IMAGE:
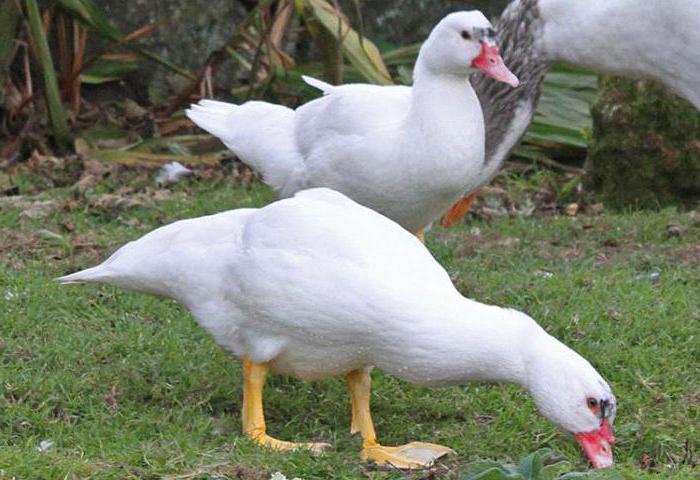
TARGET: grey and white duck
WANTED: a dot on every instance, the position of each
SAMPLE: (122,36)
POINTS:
(655,40)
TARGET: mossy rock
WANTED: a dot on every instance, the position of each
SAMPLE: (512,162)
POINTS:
(645,151)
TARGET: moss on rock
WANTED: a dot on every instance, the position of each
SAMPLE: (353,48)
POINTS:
(646,145)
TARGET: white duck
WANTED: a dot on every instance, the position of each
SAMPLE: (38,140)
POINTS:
(652,39)
(405,153)
(293,288)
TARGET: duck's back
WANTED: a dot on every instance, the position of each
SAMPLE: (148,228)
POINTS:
(347,137)
(325,284)
(347,110)
(330,234)
(309,278)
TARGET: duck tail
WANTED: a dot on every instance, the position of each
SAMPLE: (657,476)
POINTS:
(261,134)
(212,116)
(89,275)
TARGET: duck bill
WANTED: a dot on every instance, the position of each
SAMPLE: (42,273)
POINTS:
(490,62)
(597,445)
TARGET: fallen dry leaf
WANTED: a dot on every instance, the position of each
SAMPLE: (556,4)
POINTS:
(94,171)
(596,209)
(110,397)
(647,462)
(39,210)
(134,111)
(674,231)
(571,209)
(111,202)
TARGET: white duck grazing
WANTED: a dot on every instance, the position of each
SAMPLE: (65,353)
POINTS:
(657,40)
(293,288)
(408,156)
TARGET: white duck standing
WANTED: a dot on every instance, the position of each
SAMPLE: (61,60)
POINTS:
(652,39)
(406,153)
(293,288)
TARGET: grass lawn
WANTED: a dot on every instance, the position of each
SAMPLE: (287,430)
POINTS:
(127,386)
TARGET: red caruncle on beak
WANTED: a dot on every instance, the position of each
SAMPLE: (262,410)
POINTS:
(597,445)
(490,62)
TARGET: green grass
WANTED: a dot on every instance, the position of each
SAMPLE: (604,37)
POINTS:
(127,386)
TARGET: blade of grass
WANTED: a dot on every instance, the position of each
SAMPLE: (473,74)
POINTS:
(109,68)
(57,116)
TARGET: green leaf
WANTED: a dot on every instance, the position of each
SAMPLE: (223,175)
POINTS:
(496,473)
(488,470)
(89,14)
(543,464)
(563,115)
(108,69)
(362,53)
(531,466)
(57,116)
(402,56)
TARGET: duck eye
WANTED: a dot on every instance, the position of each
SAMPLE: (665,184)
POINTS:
(466,35)
(592,402)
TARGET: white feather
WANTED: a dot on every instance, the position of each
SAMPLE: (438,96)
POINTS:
(406,153)
(318,285)
(324,87)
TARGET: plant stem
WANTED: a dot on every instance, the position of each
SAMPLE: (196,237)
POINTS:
(59,125)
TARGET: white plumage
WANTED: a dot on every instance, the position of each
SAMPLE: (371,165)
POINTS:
(407,153)
(294,286)
(655,39)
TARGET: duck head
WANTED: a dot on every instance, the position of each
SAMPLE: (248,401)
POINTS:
(570,392)
(462,43)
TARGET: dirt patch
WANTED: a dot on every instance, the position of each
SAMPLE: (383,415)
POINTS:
(244,473)
(18,242)
(689,256)
(221,470)
(693,398)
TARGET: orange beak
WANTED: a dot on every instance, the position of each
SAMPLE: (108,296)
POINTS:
(598,445)
(490,62)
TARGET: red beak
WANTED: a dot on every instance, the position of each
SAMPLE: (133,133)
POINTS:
(598,445)
(490,62)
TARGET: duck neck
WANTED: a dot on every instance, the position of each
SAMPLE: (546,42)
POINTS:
(475,342)
(507,110)
(610,36)
(627,37)
(445,106)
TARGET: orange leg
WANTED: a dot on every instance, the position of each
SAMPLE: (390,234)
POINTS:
(457,212)
(252,414)
(411,455)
